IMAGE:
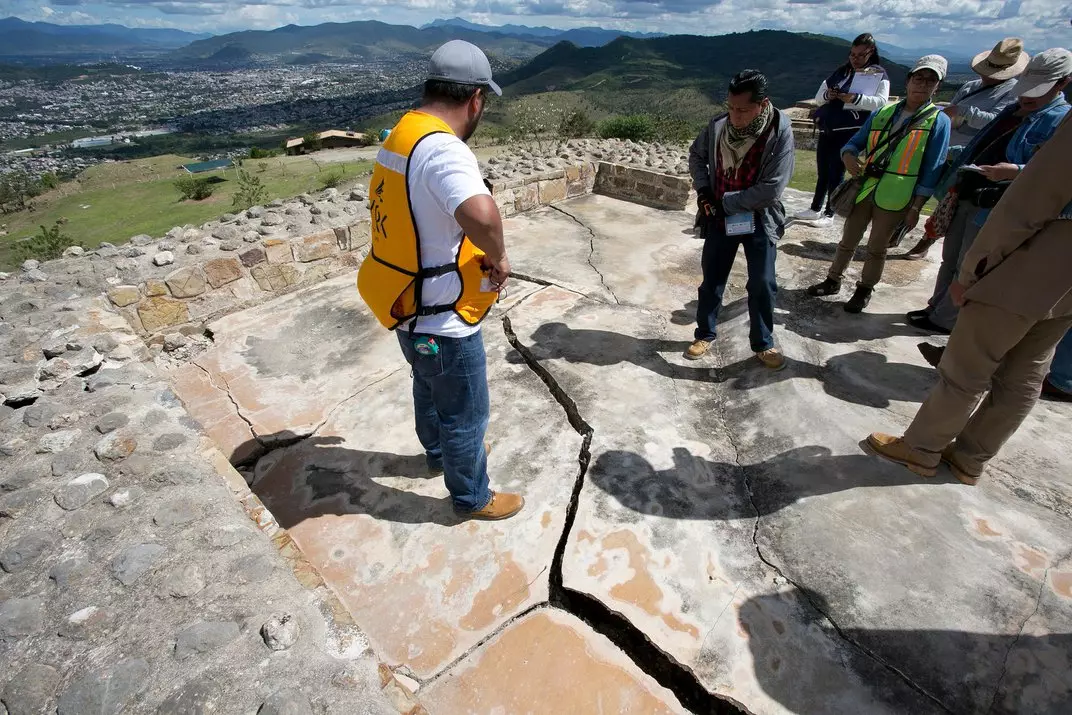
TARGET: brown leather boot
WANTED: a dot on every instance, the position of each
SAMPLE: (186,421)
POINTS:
(919,251)
(949,456)
(501,506)
(897,450)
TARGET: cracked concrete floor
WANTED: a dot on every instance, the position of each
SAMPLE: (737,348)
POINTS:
(699,535)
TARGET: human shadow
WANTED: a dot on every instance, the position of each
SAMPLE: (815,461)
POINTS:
(686,315)
(825,319)
(815,250)
(862,377)
(965,672)
(319,476)
(699,489)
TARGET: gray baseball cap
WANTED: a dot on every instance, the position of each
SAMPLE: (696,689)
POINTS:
(934,63)
(462,62)
(1045,69)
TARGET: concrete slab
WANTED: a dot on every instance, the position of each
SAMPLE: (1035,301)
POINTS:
(728,513)
(548,652)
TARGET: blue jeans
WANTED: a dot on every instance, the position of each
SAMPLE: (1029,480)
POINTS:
(451,407)
(1061,367)
(719,253)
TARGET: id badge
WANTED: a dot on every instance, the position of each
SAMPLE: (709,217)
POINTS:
(740,224)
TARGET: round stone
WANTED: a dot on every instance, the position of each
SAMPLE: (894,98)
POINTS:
(32,691)
(80,490)
(57,441)
(185,581)
(107,690)
(70,570)
(169,441)
(176,514)
(26,550)
(164,258)
(198,697)
(280,631)
(115,446)
(21,617)
(290,701)
(90,623)
(135,561)
(111,422)
(122,498)
(204,637)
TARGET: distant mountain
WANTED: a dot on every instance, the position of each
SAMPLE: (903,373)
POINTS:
(794,63)
(30,39)
(353,41)
(580,36)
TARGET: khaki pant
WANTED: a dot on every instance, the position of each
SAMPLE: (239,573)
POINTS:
(991,352)
(883,223)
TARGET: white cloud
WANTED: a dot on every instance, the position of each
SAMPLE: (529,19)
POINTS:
(959,25)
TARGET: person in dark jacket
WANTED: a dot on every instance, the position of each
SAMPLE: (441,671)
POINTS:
(740,165)
(846,99)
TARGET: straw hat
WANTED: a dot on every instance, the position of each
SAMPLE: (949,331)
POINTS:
(1005,61)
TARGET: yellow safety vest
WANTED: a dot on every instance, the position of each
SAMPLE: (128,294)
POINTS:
(391,278)
(898,183)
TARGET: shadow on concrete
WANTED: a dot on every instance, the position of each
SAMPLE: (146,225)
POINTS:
(962,670)
(699,489)
(817,250)
(863,378)
(319,476)
(825,319)
(686,315)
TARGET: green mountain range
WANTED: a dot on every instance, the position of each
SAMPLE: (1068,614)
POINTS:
(794,63)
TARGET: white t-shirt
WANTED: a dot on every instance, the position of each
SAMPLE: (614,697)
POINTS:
(443,174)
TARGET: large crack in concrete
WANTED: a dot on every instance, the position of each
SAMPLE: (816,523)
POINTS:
(645,654)
(746,474)
(591,248)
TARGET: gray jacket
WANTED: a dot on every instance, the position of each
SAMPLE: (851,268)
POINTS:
(776,169)
(979,109)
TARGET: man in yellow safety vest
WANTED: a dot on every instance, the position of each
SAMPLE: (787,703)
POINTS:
(435,268)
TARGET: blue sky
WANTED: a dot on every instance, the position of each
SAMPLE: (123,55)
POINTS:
(960,25)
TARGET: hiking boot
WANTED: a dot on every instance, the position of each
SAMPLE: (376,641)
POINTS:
(924,322)
(897,450)
(772,359)
(1051,391)
(859,299)
(827,287)
(438,470)
(963,475)
(698,349)
(919,251)
(501,506)
(931,353)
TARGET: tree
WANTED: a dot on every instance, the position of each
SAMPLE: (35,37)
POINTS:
(194,188)
(49,243)
(16,190)
(251,191)
(638,127)
(534,123)
(575,124)
(311,142)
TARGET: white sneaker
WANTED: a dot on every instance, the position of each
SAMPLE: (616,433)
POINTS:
(807,215)
(823,221)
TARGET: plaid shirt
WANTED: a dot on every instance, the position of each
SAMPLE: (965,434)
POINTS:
(747,173)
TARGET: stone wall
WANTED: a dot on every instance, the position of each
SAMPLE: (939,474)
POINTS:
(516,195)
(184,298)
(648,188)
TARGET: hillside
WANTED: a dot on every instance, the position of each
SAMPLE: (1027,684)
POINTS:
(36,39)
(795,64)
(362,40)
(580,36)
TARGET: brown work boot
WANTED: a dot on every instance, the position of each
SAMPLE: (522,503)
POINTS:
(949,456)
(772,359)
(501,506)
(897,450)
(698,349)
(436,471)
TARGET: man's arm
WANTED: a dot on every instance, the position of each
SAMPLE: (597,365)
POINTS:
(1036,197)
(479,218)
(772,181)
(933,157)
(699,159)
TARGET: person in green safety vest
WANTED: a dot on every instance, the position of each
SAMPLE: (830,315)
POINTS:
(898,153)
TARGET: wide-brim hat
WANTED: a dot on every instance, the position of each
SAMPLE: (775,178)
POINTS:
(1005,61)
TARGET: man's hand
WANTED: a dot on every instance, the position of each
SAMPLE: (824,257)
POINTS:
(705,201)
(852,164)
(911,218)
(951,111)
(1000,172)
(498,271)
(956,293)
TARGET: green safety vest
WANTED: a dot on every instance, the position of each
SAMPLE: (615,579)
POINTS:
(894,190)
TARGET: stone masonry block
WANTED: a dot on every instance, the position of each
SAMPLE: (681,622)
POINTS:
(342,237)
(528,197)
(160,312)
(122,296)
(552,190)
(314,247)
(360,233)
(222,271)
(186,282)
(252,257)
(154,287)
(271,277)
(278,251)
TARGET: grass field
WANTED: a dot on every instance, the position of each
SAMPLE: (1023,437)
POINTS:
(114,201)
